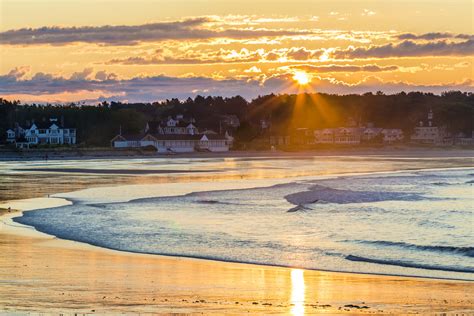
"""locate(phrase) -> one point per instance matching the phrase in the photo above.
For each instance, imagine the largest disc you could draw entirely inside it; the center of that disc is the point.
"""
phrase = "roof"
(133, 137)
(41, 125)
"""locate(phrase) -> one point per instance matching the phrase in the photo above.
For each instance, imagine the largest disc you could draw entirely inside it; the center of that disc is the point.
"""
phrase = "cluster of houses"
(180, 135)
(174, 135)
(51, 132)
(424, 133)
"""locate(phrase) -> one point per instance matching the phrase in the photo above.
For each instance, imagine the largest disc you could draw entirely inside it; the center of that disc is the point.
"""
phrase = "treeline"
(97, 124)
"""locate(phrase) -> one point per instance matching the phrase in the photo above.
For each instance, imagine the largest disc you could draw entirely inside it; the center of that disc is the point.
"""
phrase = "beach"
(42, 273)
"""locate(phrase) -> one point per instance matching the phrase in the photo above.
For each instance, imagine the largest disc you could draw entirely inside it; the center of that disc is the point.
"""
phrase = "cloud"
(433, 36)
(345, 68)
(292, 54)
(195, 28)
(407, 49)
(47, 87)
(300, 54)
(253, 70)
(368, 12)
(82, 75)
(193, 57)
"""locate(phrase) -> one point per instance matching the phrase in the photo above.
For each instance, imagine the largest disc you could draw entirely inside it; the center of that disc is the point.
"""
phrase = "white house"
(172, 126)
(174, 136)
(42, 133)
(174, 143)
(428, 133)
(11, 136)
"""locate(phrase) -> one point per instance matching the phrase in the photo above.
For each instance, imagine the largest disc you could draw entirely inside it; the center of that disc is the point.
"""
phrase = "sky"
(144, 51)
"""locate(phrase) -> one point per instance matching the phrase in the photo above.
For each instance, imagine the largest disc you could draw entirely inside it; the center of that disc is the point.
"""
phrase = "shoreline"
(21, 229)
(30, 231)
(86, 154)
(252, 288)
(361, 293)
(207, 302)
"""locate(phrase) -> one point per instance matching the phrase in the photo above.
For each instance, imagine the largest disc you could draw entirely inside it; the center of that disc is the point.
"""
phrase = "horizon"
(182, 100)
(54, 52)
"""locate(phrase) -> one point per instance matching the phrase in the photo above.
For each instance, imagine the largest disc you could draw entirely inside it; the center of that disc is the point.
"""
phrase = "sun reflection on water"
(297, 292)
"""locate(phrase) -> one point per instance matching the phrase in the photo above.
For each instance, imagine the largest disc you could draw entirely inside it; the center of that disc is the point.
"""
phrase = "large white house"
(174, 135)
(40, 133)
(428, 133)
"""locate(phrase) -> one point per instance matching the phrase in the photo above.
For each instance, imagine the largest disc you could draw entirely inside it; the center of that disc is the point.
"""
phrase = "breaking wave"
(463, 251)
(406, 264)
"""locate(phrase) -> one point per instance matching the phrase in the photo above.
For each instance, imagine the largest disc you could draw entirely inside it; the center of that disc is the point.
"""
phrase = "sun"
(302, 78)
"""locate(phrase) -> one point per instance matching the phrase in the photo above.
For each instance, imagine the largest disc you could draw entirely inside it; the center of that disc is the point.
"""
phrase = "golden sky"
(146, 50)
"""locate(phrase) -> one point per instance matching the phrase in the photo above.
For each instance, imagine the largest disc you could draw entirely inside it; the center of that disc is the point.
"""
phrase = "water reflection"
(297, 292)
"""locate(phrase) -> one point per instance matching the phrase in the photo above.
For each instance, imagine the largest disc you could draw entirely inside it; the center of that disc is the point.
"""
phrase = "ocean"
(409, 222)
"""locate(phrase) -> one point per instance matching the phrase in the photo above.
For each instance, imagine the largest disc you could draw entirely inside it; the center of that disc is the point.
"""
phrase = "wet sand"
(44, 274)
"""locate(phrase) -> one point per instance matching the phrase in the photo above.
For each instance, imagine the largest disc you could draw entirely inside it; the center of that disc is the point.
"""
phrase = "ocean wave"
(327, 194)
(464, 251)
(215, 202)
(407, 264)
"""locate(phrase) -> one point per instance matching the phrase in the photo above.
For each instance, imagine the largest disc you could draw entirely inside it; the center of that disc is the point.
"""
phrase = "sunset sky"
(144, 50)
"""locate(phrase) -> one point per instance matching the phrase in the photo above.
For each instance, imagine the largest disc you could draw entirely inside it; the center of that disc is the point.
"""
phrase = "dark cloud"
(131, 35)
(433, 36)
(408, 49)
(345, 68)
(148, 89)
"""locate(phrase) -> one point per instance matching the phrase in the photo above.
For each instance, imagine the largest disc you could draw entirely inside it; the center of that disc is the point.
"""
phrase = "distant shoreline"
(104, 153)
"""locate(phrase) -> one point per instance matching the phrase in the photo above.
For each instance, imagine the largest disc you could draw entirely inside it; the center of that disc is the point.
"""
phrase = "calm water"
(408, 223)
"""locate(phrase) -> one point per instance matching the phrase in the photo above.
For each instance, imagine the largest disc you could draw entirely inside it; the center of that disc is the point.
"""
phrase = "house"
(392, 135)
(177, 143)
(428, 133)
(324, 136)
(356, 135)
(303, 136)
(340, 136)
(347, 135)
(172, 126)
(11, 136)
(370, 134)
(40, 133)
(464, 140)
(174, 136)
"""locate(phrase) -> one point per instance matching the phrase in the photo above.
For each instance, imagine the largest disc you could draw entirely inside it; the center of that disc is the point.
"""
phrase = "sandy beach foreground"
(39, 273)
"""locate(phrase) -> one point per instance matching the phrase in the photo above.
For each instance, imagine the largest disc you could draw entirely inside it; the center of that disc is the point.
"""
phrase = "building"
(303, 136)
(392, 135)
(347, 135)
(464, 140)
(172, 126)
(173, 143)
(427, 133)
(371, 134)
(357, 135)
(174, 136)
(324, 136)
(42, 133)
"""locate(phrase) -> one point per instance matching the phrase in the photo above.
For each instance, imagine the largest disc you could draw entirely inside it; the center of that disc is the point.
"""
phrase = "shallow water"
(409, 223)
